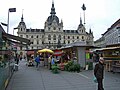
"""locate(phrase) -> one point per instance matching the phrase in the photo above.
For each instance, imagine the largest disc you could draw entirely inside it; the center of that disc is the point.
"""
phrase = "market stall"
(111, 56)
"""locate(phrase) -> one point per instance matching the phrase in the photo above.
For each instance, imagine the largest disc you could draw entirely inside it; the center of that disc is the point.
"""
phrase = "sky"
(99, 14)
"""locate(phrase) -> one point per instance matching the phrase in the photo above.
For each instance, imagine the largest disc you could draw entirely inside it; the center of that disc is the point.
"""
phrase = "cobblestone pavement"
(29, 78)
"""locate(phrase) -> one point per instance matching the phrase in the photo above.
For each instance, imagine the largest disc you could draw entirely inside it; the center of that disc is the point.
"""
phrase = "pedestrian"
(99, 73)
(37, 60)
(17, 59)
(49, 61)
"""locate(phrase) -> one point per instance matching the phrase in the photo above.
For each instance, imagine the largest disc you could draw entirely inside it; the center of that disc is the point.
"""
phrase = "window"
(59, 37)
(64, 37)
(64, 41)
(82, 37)
(32, 36)
(26, 36)
(77, 37)
(21, 35)
(31, 42)
(68, 42)
(49, 37)
(54, 37)
(59, 29)
(37, 42)
(68, 37)
(73, 37)
(37, 36)
(48, 28)
(54, 28)
(42, 42)
(42, 36)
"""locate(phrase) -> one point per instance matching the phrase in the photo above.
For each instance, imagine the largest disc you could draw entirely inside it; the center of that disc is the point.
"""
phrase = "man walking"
(99, 73)
(37, 60)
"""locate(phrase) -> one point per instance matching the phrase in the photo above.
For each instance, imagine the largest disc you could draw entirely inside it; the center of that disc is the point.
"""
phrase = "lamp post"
(10, 10)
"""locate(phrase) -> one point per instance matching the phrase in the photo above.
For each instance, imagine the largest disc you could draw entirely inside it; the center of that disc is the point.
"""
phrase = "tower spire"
(22, 16)
(80, 19)
(52, 9)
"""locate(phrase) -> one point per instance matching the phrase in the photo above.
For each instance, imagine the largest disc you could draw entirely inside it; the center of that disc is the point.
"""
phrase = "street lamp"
(10, 10)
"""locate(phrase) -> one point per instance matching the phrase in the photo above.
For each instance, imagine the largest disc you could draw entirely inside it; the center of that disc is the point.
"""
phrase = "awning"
(58, 52)
(17, 38)
(30, 52)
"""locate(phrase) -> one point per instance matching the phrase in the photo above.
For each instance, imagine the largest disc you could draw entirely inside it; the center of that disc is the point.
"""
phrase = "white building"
(112, 35)
(53, 35)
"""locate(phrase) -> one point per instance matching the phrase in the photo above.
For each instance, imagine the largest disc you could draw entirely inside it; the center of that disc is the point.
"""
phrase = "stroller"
(31, 62)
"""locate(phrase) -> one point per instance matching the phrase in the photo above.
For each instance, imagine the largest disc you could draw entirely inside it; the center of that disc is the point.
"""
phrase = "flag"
(12, 9)
(4, 24)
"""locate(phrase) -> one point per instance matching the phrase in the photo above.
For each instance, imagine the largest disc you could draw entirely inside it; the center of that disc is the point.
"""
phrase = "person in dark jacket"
(99, 73)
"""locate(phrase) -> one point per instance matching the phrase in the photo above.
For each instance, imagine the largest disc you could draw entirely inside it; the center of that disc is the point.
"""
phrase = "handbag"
(95, 79)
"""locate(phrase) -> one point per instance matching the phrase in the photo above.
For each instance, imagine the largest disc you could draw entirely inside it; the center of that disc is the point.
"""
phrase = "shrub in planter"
(55, 68)
(90, 66)
(71, 68)
(77, 67)
(69, 64)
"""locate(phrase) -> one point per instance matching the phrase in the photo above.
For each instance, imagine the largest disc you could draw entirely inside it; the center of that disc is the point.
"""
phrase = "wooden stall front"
(112, 58)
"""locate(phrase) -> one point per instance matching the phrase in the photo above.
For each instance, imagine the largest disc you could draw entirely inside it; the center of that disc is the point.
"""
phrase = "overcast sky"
(100, 14)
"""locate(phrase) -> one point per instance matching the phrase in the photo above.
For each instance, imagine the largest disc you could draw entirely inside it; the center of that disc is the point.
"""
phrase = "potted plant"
(55, 68)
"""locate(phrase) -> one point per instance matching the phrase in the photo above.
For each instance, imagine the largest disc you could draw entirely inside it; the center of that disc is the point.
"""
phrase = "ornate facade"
(53, 36)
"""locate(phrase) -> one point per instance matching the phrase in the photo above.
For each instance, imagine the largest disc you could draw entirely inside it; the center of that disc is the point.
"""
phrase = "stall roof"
(13, 38)
(77, 44)
(108, 48)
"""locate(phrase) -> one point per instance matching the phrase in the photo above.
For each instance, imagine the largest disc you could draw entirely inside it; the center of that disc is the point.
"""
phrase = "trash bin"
(16, 67)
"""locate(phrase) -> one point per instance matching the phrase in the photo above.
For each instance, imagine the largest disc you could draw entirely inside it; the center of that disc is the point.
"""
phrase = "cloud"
(99, 14)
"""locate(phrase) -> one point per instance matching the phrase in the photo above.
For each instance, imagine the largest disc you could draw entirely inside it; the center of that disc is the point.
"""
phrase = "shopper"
(49, 61)
(99, 73)
(37, 60)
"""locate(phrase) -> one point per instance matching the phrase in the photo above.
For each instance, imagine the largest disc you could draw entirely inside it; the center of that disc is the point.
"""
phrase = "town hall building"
(53, 35)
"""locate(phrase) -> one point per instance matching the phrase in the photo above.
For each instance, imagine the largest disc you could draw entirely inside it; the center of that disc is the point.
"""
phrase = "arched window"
(54, 28)
(32, 36)
(64, 37)
(68, 37)
(49, 37)
(21, 35)
(73, 37)
(42, 42)
(37, 42)
(68, 42)
(37, 36)
(64, 41)
(59, 37)
(82, 37)
(26, 36)
(54, 37)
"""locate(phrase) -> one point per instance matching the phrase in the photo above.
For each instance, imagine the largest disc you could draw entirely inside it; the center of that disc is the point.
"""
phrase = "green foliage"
(72, 67)
(90, 65)
(55, 68)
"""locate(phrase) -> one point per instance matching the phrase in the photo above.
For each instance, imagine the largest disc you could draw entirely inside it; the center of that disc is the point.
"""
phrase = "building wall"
(81, 56)
(111, 36)
(54, 28)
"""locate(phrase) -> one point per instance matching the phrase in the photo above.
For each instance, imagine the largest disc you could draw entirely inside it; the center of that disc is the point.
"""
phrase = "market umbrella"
(45, 51)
